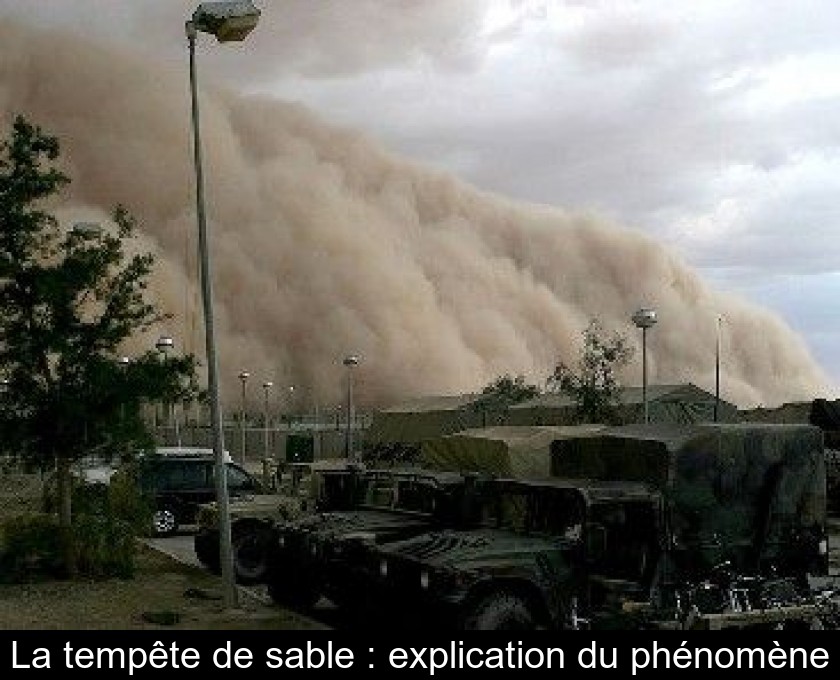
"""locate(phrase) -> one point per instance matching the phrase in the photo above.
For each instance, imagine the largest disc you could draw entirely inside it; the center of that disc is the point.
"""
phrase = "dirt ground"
(163, 595)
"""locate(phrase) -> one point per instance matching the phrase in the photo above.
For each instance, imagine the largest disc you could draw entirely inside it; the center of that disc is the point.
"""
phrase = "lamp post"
(123, 363)
(350, 362)
(243, 378)
(164, 344)
(717, 371)
(267, 385)
(644, 318)
(291, 403)
(228, 21)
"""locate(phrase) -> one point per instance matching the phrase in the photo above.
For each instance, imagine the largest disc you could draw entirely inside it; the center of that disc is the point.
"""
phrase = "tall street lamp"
(124, 363)
(163, 345)
(228, 21)
(267, 385)
(350, 362)
(717, 371)
(243, 378)
(644, 318)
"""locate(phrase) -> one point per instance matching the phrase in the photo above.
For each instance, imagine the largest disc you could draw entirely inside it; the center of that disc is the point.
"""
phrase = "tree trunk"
(65, 516)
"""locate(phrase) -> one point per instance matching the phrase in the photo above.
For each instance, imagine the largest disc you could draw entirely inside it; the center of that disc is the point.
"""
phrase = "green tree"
(594, 386)
(69, 301)
(508, 389)
(503, 392)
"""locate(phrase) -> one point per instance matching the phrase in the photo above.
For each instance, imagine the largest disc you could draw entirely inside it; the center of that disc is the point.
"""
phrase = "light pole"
(291, 404)
(243, 378)
(164, 344)
(350, 362)
(644, 318)
(124, 363)
(228, 21)
(717, 372)
(267, 385)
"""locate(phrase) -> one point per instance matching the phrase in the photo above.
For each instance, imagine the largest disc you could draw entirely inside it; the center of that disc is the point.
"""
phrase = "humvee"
(314, 555)
(322, 485)
(643, 526)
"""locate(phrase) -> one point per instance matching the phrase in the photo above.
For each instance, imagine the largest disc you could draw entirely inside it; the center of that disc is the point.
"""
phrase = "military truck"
(313, 556)
(642, 527)
(304, 488)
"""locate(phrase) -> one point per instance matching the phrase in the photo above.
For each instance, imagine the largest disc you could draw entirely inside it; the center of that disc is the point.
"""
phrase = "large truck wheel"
(250, 555)
(500, 611)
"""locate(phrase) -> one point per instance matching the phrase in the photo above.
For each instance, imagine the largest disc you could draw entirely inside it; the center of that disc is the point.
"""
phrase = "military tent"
(683, 404)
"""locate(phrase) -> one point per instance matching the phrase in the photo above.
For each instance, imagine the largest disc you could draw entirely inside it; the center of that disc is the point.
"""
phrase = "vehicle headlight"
(424, 579)
(383, 568)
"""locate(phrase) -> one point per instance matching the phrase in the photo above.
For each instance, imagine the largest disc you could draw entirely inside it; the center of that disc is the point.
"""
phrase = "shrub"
(31, 547)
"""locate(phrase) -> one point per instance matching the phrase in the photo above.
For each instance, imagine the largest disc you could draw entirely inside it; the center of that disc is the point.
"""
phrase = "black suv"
(178, 482)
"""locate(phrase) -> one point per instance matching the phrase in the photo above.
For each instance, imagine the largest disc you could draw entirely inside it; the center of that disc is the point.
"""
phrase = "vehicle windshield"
(541, 510)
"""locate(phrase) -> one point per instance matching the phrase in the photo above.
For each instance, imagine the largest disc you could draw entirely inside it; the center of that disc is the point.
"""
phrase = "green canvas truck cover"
(522, 452)
(748, 488)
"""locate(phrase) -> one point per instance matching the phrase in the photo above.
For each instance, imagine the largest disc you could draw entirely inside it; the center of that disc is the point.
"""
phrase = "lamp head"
(644, 317)
(164, 343)
(228, 21)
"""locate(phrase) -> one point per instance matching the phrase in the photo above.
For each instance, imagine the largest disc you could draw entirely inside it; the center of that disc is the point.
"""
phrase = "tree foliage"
(593, 384)
(69, 301)
(502, 393)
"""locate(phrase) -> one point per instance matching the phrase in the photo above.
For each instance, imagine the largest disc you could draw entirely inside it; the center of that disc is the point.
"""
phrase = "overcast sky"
(710, 125)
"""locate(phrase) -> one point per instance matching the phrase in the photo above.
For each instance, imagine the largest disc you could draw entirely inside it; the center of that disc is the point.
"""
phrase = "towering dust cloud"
(323, 244)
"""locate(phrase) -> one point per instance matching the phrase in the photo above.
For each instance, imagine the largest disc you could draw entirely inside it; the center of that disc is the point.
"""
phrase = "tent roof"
(629, 395)
(451, 402)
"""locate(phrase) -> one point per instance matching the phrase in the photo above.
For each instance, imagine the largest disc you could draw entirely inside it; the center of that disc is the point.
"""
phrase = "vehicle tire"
(500, 611)
(164, 522)
(207, 552)
(250, 555)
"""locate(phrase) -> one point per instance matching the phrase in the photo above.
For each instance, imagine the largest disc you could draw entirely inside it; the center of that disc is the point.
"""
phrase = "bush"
(31, 547)
(104, 546)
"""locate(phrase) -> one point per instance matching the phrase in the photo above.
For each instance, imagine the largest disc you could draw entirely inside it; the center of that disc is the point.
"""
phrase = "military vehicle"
(642, 527)
(313, 555)
(305, 488)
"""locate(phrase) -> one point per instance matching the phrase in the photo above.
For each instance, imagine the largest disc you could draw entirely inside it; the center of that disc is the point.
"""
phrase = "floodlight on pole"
(228, 21)
(243, 378)
(350, 362)
(123, 363)
(717, 371)
(644, 318)
(163, 345)
(267, 385)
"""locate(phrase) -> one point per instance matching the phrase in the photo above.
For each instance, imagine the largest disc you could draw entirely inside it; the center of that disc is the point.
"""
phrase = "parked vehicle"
(178, 481)
(315, 555)
(630, 534)
(326, 485)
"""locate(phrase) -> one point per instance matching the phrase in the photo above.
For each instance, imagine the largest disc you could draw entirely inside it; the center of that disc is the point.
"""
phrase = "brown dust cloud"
(324, 244)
